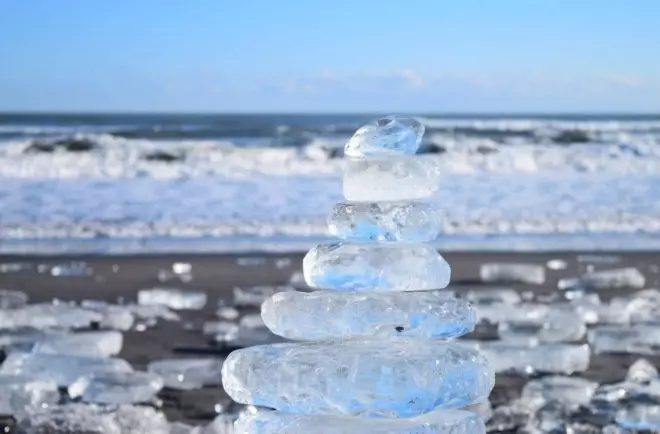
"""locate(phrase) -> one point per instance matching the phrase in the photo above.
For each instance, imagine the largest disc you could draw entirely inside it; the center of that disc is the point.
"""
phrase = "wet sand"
(120, 277)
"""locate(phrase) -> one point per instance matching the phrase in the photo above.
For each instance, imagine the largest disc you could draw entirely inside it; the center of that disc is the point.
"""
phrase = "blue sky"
(323, 56)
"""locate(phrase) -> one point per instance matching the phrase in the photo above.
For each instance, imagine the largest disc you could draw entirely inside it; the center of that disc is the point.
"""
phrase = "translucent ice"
(20, 394)
(254, 296)
(493, 295)
(505, 272)
(116, 387)
(114, 317)
(642, 371)
(391, 135)
(70, 419)
(395, 378)
(63, 369)
(385, 221)
(188, 374)
(324, 315)
(177, 299)
(93, 344)
(636, 338)
(140, 420)
(568, 391)
(227, 313)
(496, 313)
(618, 278)
(556, 326)
(48, 315)
(362, 267)
(10, 299)
(390, 179)
(435, 422)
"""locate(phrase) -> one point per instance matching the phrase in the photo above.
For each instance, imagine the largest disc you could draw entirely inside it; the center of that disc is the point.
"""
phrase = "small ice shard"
(70, 419)
(556, 264)
(114, 317)
(179, 270)
(496, 272)
(15, 267)
(188, 374)
(173, 298)
(493, 295)
(557, 326)
(607, 279)
(73, 269)
(227, 313)
(390, 179)
(568, 391)
(388, 136)
(63, 369)
(113, 387)
(254, 296)
(639, 417)
(642, 371)
(152, 312)
(20, 394)
(48, 315)
(329, 315)
(414, 222)
(373, 267)
(549, 358)
(141, 420)
(435, 422)
(395, 378)
(91, 344)
(636, 339)
(10, 299)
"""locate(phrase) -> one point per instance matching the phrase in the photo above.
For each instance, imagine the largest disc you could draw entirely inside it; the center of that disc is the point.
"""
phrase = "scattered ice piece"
(140, 420)
(373, 267)
(567, 391)
(20, 394)
(63, 369)
(153, 312)
(91, 344)
(557, 326)
(70, 419)
(388, 136)
(435, 422)
(220, 328)
(182, 268)
(15, 267)
(10, 299)
(188, 374)
(496, 313)
(112, 387)
(252, 321)
(173, 298)
(179, 270)
(283, 263)
(607, 279)
(495, 272)
(556, 264)
(254, 296)
(642, 371)
(48, 315)
(390, 179)
(328, 315)
(639, 417)
(598, 259)
(493, 295)
(24, 337)
(115, 317)
(253, 261)
(415, 222)
(227, 313)
(396, 378)
(73, 269)
(635, 338)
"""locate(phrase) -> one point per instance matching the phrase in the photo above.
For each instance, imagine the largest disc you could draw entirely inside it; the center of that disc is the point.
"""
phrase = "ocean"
(120, 183)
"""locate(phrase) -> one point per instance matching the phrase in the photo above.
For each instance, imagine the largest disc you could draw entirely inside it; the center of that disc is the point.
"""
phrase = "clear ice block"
(607, 279)
(91, 344)
(515, 273)
(113, 387)
(20, 394)
(188, 374)
(177, 299)
(391, 135)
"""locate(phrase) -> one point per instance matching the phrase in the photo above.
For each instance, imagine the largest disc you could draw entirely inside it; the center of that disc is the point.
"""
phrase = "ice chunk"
(556, 264)
(93, 344)
(151, 313)
(557, 326)
(112, 387)
(140, 420)
(63, 369)
(519, 273)
(493, 295)
(72, 269)
(639, 417)
(188, 374)
(598, 259)
(220, 328)
(227, 313)
(10, 299)
(173, 298)
(254, 296)
(395, 378)
(567, 391)
(607, 279)
(415, 222)
(496, 313)
(435, 422)
(642, 371)
(391, 135)
(114, 317)
(637, 339)
(70, 419)
(179, 270)
(390, 179)
(382, 268)
(327, 315)
(48, 315)
(20, 394)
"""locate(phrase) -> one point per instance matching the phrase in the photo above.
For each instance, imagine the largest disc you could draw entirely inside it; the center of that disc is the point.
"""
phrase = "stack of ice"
(378, 360)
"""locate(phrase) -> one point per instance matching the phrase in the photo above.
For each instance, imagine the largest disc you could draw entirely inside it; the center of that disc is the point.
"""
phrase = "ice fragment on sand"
(385, 221)
(505, 272)
(390, 179)
(636, 339)
(21, 394)
(395, 378)
(48, 315)
(70, 419)
(188, 374)
(363, 267)
(639, 417)
(177, 299)
(391, 135)
(93, 344)
(435, 422)
(220, 328)
(326, 315)
(254, 296)
(496, 313)
(72, 269)
(227, 313)
(557, 326)
(114, 317)
(140, 420)
(567, 391)
(63, 369)
(493, 295)
(607, 279)
(642, 371)
(116, 387)
(10, 299)
(556, 264)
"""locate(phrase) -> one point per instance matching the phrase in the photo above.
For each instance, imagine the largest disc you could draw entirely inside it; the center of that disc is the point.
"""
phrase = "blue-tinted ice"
(391, 135)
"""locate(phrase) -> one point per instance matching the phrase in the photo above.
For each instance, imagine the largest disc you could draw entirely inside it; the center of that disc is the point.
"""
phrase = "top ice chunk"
(391, 135)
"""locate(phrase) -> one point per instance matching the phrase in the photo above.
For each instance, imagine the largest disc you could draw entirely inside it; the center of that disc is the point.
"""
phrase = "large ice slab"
(188, 374)
(415, 222)
(556, 326)
(393, 378)
(325, 315)
(113, 387)
(391, 135)
(48, 315)
(381, 268)
(173, 298)
(435, 422)
(63, 369)
(390, 179)
(20, 394)
(92, 344)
